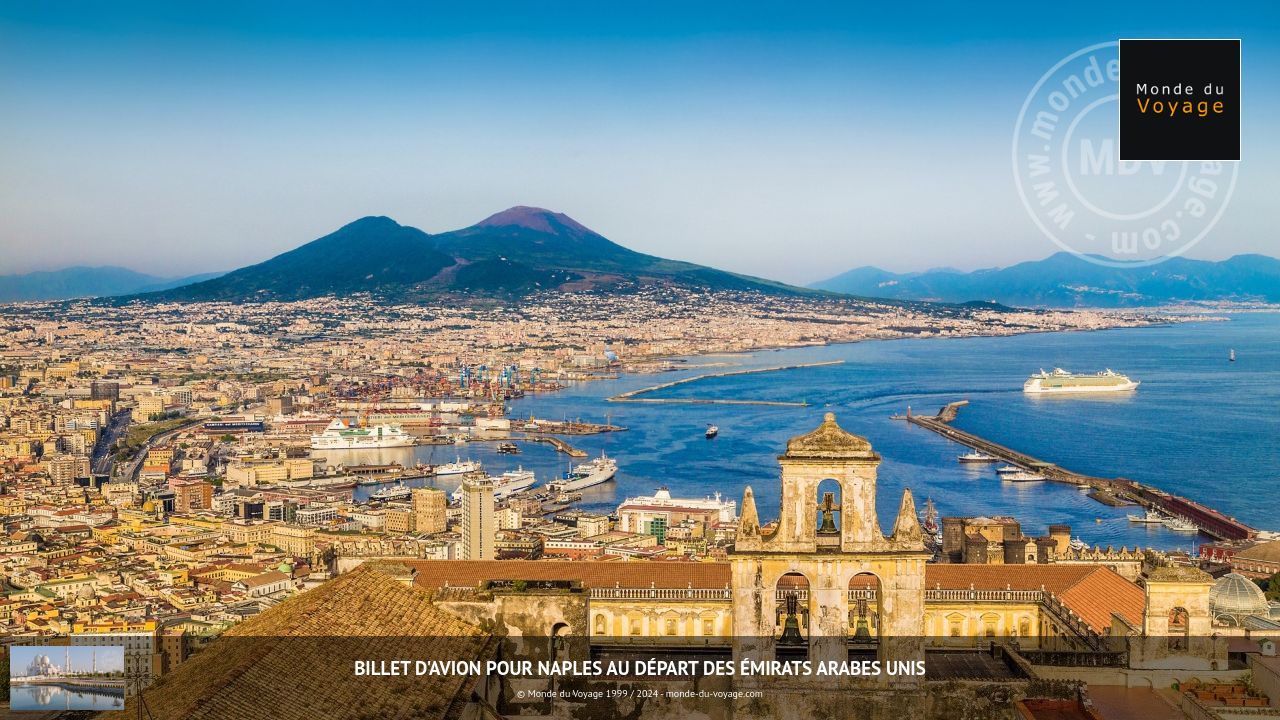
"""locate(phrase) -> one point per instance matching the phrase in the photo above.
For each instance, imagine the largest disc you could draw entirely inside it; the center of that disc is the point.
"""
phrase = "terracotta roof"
(1262, 552)
(1091, 591)
(296, 660)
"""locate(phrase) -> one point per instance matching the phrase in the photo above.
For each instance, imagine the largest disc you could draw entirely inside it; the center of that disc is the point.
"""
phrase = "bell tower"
(829, 567)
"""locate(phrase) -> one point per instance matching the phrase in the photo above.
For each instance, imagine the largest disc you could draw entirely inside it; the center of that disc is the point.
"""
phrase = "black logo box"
(1186, 68)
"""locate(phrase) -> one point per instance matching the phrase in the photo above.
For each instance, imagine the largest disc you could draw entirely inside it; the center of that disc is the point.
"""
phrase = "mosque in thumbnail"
(823, 582)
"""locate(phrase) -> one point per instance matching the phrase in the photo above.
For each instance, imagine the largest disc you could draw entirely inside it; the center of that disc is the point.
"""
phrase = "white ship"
(1022, 476)
(341, 435)
(588, 474)
(1061, 381)
(399, 491)
(506, 484)
(1180, 525)
(977, 457)
(457, 467)
(1008, 469)
(1150, 517)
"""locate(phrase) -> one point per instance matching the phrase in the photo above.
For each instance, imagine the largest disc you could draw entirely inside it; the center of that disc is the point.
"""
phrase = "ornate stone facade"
(828, 562)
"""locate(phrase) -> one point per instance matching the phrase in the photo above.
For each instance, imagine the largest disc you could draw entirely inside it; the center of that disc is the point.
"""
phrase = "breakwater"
(1207, 520)
(634, 395)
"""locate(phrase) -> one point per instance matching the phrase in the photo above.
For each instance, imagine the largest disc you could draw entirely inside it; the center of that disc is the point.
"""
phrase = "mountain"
(80, 281)
(1067, 280)
(511, 253)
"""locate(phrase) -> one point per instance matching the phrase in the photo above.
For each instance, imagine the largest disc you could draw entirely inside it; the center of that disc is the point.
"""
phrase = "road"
(100, 460)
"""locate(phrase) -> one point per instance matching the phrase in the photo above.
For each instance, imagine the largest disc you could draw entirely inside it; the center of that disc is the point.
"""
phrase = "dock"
(1109, 491)
(634, 395)
(559, 445)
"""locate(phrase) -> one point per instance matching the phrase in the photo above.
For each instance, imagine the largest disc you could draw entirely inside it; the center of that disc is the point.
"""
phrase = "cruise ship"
(588, 474)
(1061, 381)
(341, 435)
(506, 484)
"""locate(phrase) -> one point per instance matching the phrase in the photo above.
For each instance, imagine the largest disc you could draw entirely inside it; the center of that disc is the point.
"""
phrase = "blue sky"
(83, 659)
(790, 141)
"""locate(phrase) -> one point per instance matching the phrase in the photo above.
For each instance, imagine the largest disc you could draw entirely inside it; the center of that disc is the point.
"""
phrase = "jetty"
(559, 445)
(1109, 491)
(634, 395)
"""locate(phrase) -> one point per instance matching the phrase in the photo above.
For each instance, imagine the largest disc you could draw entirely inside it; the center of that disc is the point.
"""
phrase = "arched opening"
(791, 616)
(1179, 629)
(600, 624)
(865, 623)
(828, 516)
(559, 640)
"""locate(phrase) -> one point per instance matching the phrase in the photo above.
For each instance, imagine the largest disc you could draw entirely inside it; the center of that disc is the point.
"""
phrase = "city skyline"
(175, 141)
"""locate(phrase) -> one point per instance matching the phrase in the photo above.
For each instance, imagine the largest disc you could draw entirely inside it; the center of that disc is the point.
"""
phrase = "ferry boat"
(1022, 476)
(508, 449)
(399, 491)
(712, 431)
(1062, 381)
(340, 435)
(1079, 545)
(507, 484)
(977, 457)
(457, 467)
(588, 474)
(1008, 469)
(1180, 525)
(1151, 517)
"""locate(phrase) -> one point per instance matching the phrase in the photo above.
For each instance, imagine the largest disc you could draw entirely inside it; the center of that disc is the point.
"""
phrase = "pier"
(634, 395)
(1109, 491)
(560, 445)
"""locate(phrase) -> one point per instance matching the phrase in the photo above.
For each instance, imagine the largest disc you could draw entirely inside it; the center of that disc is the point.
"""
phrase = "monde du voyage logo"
(1123, 152)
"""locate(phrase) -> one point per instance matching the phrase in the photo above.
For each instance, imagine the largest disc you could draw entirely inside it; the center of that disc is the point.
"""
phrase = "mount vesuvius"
(515, 252)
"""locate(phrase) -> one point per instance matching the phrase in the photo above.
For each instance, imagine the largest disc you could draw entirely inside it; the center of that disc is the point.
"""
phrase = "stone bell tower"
(842, 563)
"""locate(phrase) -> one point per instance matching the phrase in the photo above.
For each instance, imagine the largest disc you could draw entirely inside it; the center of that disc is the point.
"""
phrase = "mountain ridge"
(511, 253)
(1067, 280)
(84, 281)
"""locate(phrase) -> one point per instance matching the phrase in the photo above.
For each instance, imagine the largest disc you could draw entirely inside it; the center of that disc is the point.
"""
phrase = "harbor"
(1110, 491)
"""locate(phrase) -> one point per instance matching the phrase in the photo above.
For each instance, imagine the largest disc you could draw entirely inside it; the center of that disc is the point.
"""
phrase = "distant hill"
(1066, 280)
(516, 251)
(80, 282)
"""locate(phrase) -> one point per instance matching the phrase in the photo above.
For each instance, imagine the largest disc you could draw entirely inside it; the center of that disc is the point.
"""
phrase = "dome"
(285, 567)
(830, 442)
(1235, 597)
(148, 507)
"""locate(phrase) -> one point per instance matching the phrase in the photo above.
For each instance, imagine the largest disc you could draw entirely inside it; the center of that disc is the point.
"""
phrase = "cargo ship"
(588, 474)
(341, 435)
(1061, 381)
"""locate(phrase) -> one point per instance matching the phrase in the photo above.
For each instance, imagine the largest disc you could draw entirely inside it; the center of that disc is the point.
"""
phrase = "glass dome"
(1235, 597)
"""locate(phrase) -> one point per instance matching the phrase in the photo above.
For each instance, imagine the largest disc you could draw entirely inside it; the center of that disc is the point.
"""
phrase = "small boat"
(977, 457)
(712, 431)
(1022, 476)
(1180, 525)
(1231, 356)
(509, 449)
(1150, 517)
